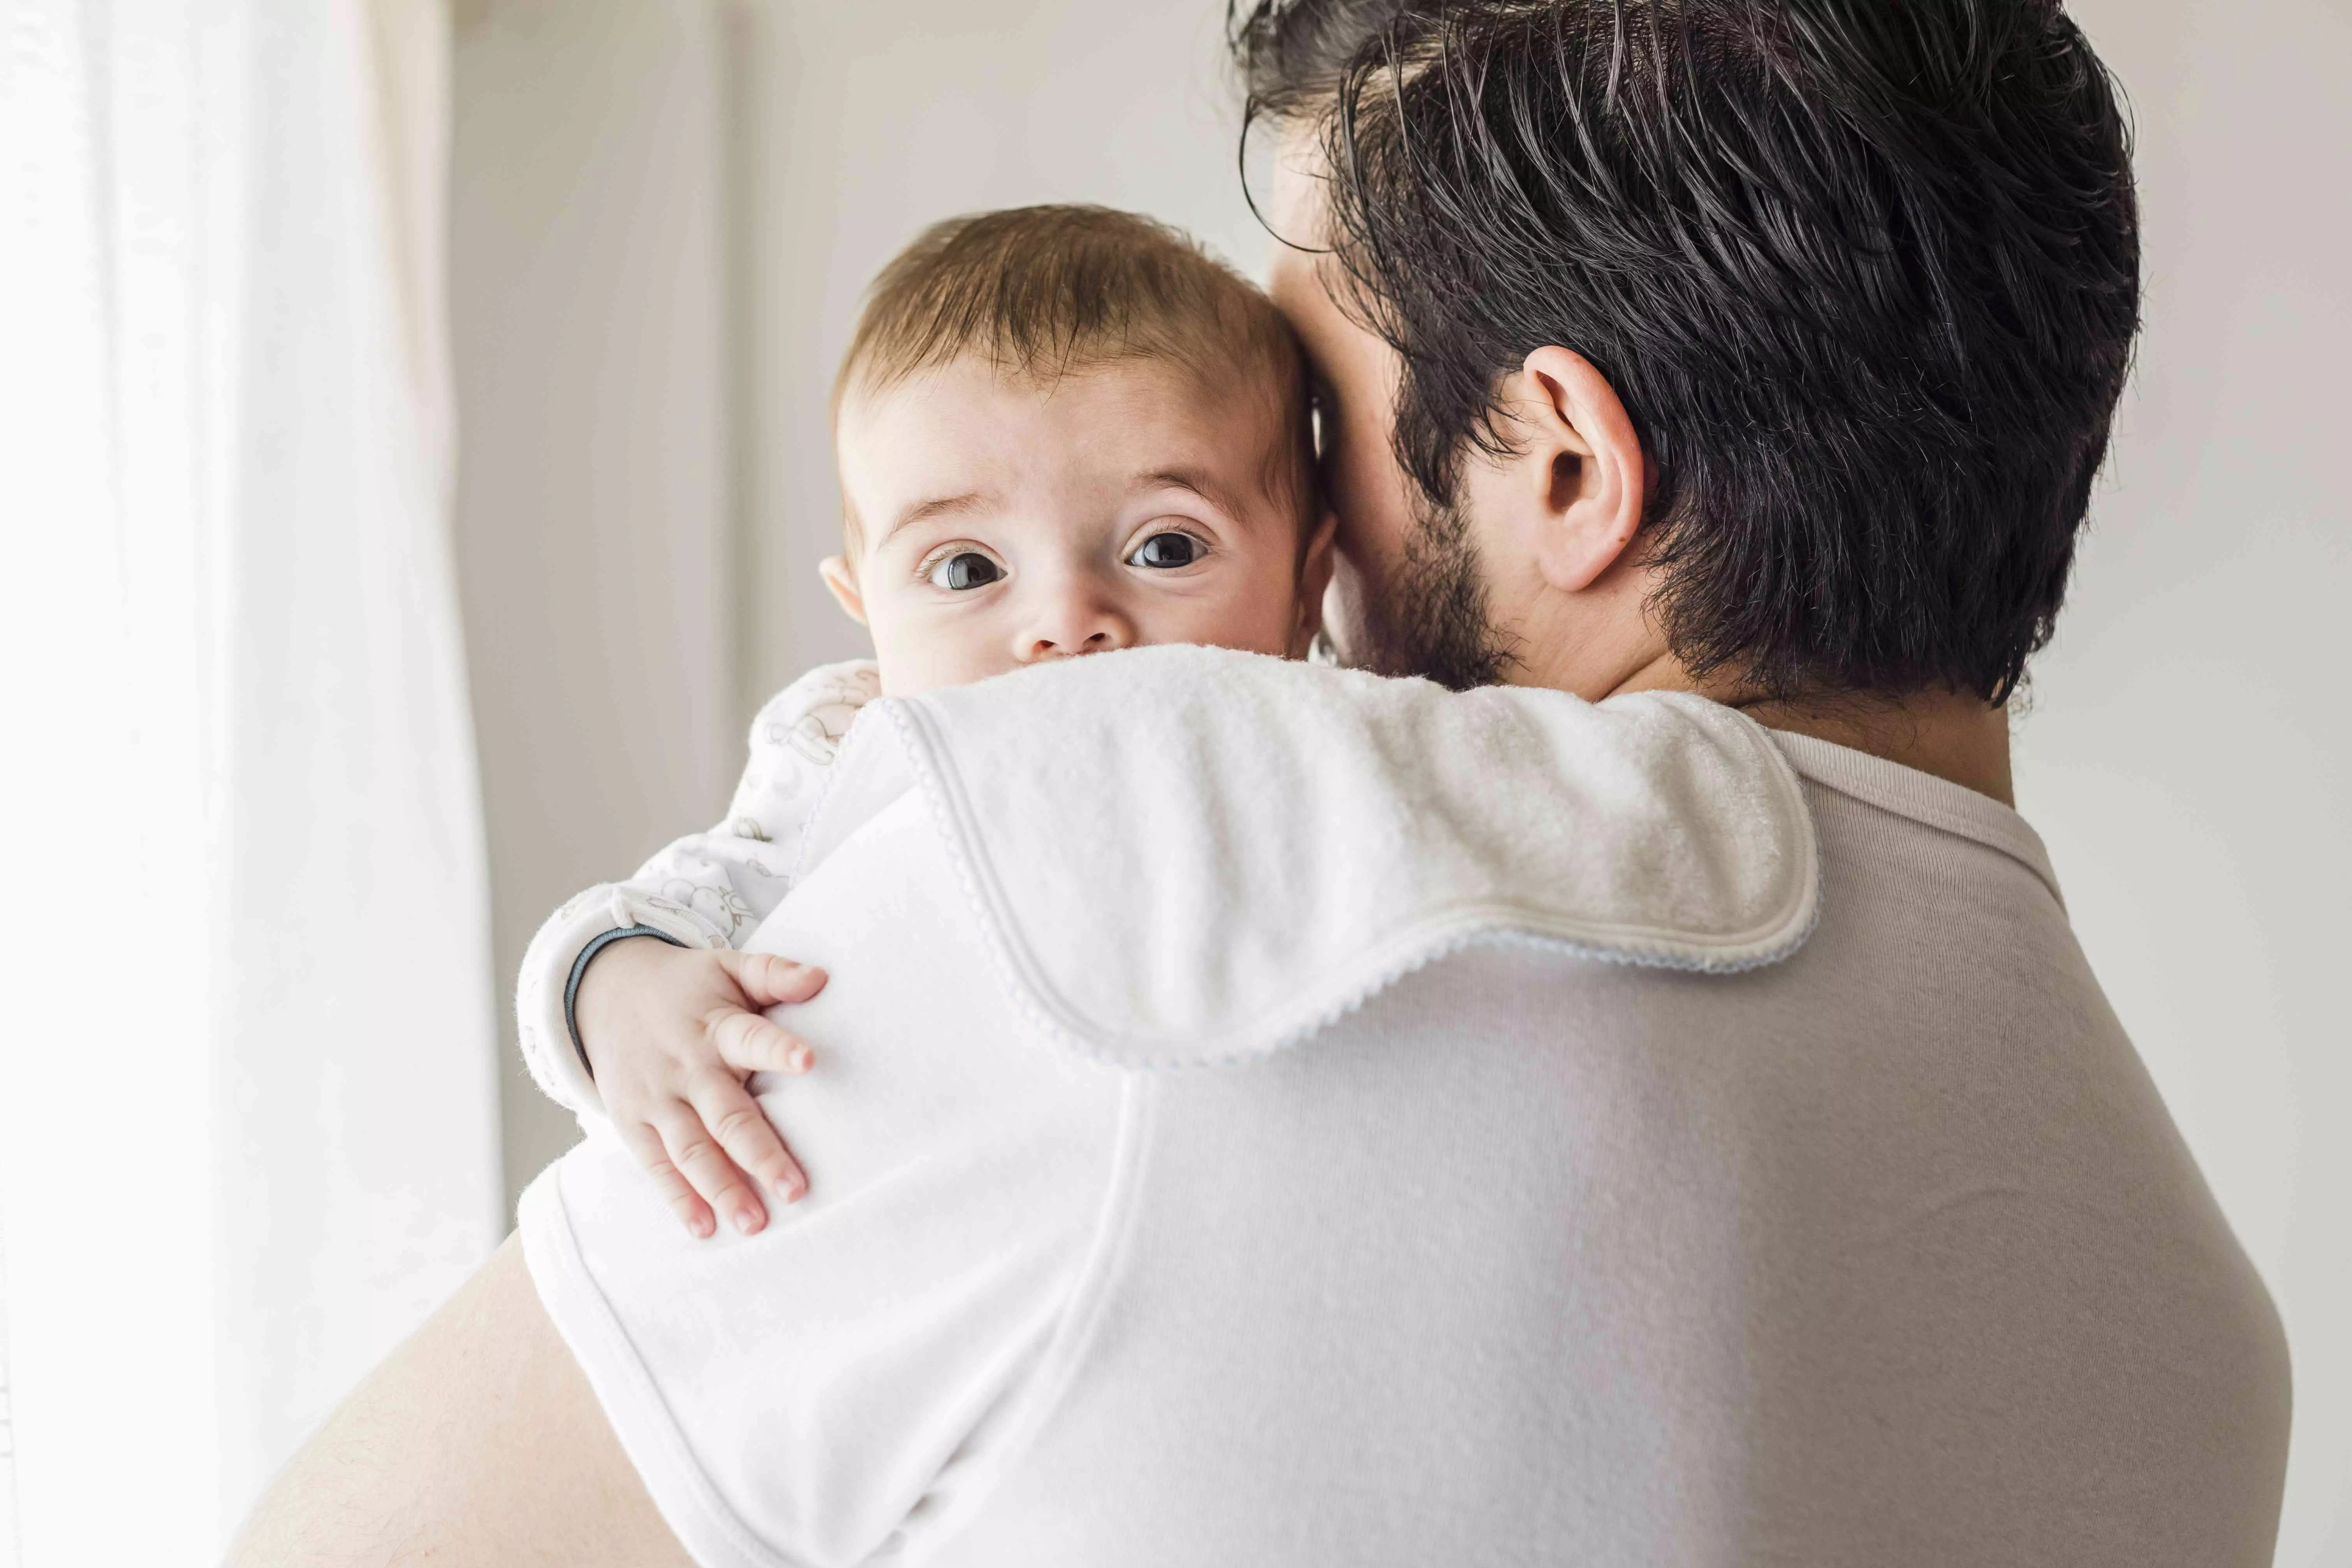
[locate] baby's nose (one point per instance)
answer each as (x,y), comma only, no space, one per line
(1075,623)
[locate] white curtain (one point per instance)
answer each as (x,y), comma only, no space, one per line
(247,1119)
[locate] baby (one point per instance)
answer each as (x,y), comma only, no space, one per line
(1061,430)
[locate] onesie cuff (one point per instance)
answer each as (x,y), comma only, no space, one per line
(545,988)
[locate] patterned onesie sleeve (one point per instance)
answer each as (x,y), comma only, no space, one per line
(708,890)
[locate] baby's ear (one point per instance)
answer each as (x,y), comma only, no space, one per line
(838,577)
(1314,567)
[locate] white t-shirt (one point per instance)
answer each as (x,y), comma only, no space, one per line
(1634,1217)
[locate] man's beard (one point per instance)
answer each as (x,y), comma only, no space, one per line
(1429,618)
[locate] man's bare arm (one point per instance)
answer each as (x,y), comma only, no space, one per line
(478,1442)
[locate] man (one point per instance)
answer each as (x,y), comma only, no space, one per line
(1764,351)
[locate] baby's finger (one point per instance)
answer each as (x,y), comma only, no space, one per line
(698,1157)
(743,1129)
(748,1042)
(768,981)
(647,1145)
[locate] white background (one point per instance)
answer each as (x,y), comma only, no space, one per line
(664,212)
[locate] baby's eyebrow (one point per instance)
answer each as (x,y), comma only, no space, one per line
(937,506)
(1200,483)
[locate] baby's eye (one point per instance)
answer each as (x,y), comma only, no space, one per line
(1166,551)
(965,569)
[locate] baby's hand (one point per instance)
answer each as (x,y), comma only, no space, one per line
(671,1034)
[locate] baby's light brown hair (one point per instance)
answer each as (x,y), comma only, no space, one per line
(1047,292)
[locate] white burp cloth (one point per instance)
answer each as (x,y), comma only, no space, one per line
(1188,855)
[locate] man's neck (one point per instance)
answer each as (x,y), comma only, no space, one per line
(1948,736)
(1942,733)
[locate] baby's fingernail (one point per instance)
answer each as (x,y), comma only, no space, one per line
(746,1221)
(789,1187)
(701,1225)
(799,1059)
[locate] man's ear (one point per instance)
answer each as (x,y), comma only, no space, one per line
(1314,578)
(1579,456)
(838,575)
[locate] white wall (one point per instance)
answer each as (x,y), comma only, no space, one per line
(2189,754)
(2189,757)
(588,312)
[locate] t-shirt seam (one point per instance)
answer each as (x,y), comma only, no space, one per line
(694,1487)
(1066,1349)
(1811,769)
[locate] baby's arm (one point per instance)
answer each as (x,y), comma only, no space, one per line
(658,1035)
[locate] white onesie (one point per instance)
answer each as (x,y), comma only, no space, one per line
(706,890)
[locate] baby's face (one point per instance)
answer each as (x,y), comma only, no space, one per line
(1001,523)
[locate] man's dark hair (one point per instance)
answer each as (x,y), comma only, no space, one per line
(1865,274)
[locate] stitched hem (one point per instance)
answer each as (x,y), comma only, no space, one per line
(649,1433)
(1081,1314)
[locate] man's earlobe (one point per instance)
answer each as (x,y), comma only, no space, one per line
(1315,568)
(1587,466)
(843,582)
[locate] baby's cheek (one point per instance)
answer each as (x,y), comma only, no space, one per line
(1257,615)
(919,657)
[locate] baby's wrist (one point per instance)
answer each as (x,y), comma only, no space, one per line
(577,990)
